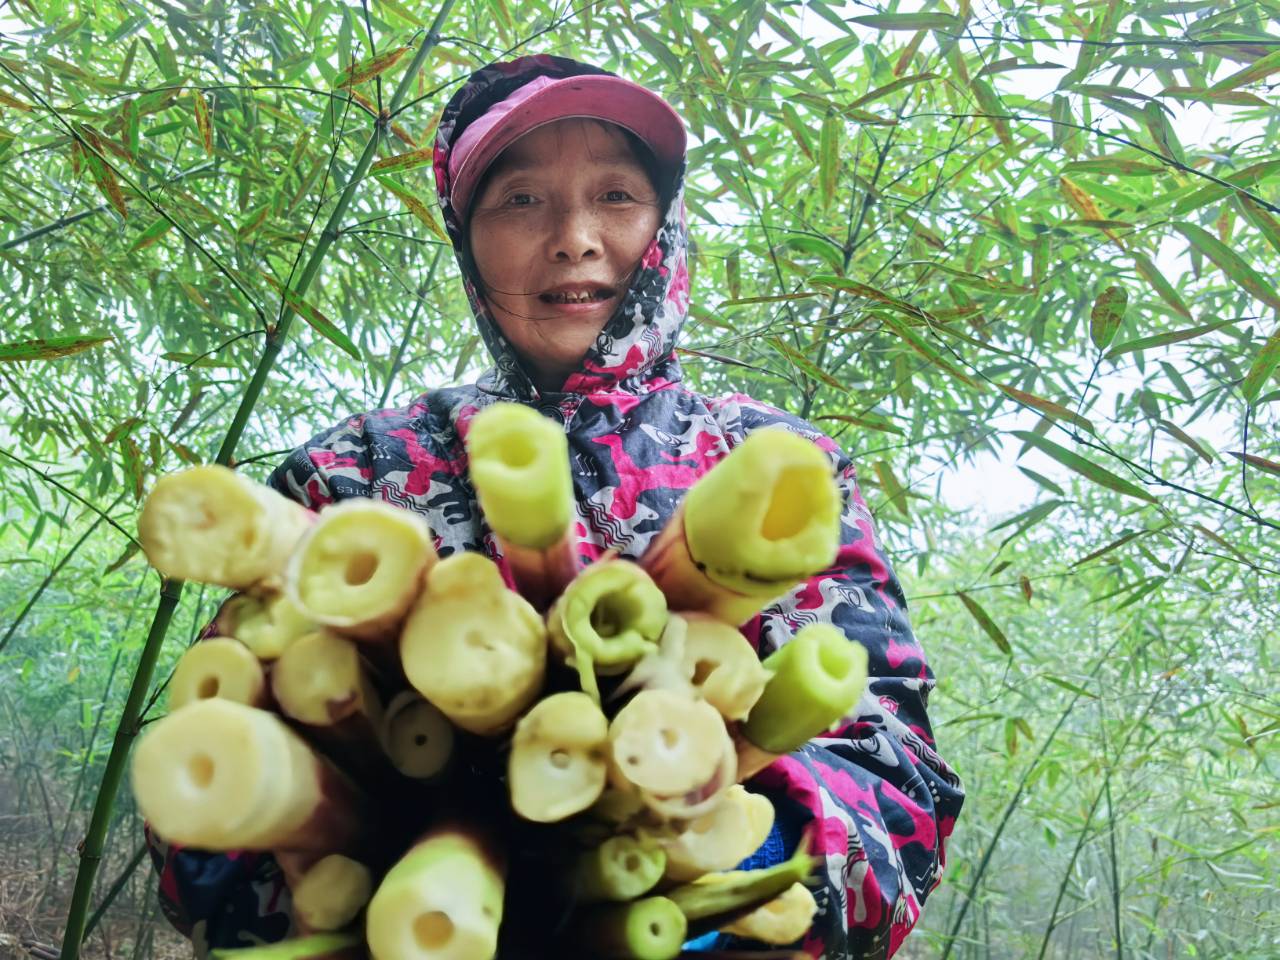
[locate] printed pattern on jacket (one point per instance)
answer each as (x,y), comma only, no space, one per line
(875,794)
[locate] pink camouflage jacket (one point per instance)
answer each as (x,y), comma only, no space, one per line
(878,799)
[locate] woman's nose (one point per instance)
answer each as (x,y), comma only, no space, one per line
(575,235)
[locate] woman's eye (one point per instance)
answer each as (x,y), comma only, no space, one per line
(617,195)
(519,199)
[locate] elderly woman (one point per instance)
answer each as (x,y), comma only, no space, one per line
(562,190)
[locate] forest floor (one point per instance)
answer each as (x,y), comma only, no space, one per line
(35,893)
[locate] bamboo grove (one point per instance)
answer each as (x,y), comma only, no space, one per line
(1019,259)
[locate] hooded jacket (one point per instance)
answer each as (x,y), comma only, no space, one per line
(878,799)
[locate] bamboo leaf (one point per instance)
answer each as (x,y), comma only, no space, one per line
(1068,685)
(1050,409)
(1260,69)
(417,208)
(901,83)
(150,235)
(1025,584)
(403,161)
(773,298)
(1086,468)
(871,293)
(829,158)
(1230,263)
(395,8)
(1186,439)
(1253,460)
(1263,366)
(984,620)
(368,69)
(1165,339)
(994,109)
(48,349)
(1161,285)
(892,486)
(1107,315)
(1266,224)
(972,280)
(1115,167)
(908,21)
(317,320)
(204,122)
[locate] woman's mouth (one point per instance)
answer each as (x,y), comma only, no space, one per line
(579,295)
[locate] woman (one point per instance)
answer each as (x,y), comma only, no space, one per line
(562,190)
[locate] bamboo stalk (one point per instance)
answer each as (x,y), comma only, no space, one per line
(649,929)
(171,590)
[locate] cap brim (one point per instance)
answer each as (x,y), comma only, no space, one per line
(608,98)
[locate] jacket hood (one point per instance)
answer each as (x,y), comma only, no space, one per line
(639,339)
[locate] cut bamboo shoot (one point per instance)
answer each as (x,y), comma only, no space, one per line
(211,525)
(218,775)
(815,679)
(725,669)
(649,929)
(519,464)
(441,901)
(320,680)
(558,758)
(360,568)
(621,868)
(719,899)
(784,919)
(218,667)
(319,946)
(607,619)
(472,647)
(416,736)
(764,519)
(331,892)
(719,840)
(665,743)
(265,622)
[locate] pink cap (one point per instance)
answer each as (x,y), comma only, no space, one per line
(545,99)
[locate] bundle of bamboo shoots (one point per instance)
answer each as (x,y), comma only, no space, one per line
(412,738)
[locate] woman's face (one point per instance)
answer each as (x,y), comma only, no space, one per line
(557,233)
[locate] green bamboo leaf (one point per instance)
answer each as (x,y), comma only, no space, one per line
(417,208)
(1164,339)
(48,349)
(1260,69)
(989,626)
(317,320)
(872,421)
(1115,167)
(972,280)
(1050,409)
(994,109)
(871,293)
(150,235)
(1196,447)
(892,486)
(1042,480)
(395,8)
(1238,98)
(1230,263)
(818,247)
(909,21)
(772,298)
(1263,366)
(1266,224)
(1086,468)
(1068,685)
(1107,315)
(901,83)
(364,70)
(929,353)
(829,158)
(1184,201)
(1162,132)
(1160,284)
(805,364)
